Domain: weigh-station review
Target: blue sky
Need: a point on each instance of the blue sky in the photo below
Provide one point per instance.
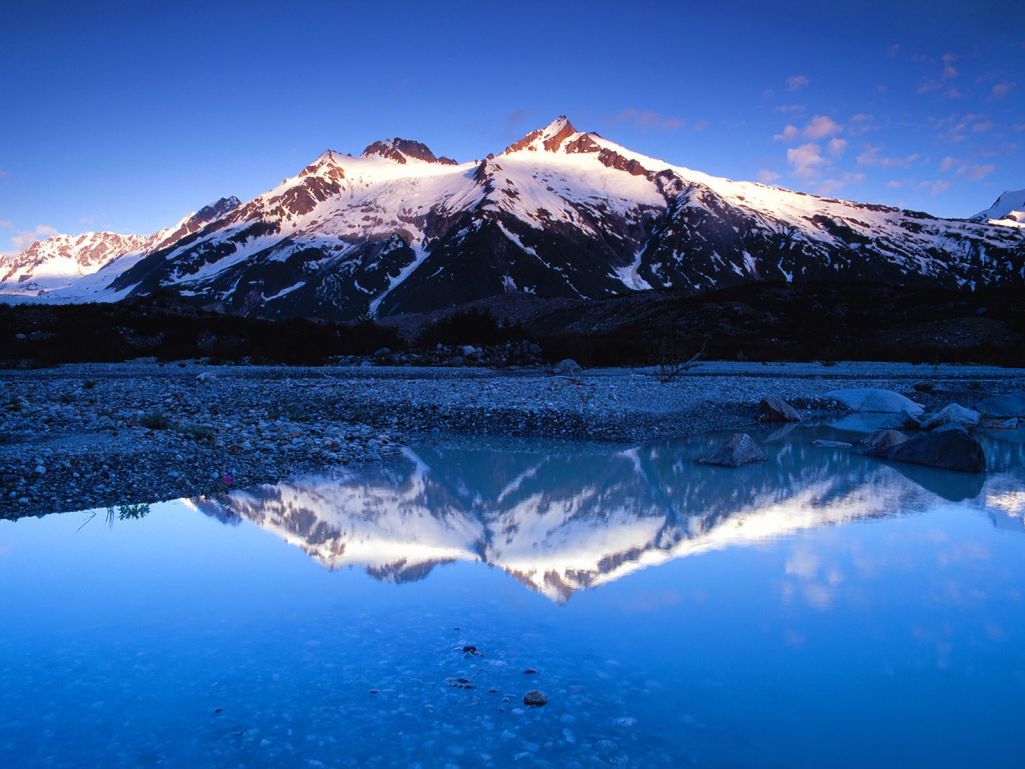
(127, 116)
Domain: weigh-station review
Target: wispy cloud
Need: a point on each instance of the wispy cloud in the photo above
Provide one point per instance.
(1000, 90)
(25, 238)
(873, 156)
(943, 82)
(6, 224)
(967, 169)
(797, 82)
(934, 186)
(788, 134)
(835, 183)
(861, 123)
(821, 126)
(647, 119)
(976, 172)
(958, 128)
(767, 176)
(806, 160)
(818, 128)
(837, 146)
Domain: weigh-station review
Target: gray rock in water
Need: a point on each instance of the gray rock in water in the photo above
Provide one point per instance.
(824, 444)
(566, 367)
(951, 414)
(999, 424)
(777, 410)
(875, 399)
(1004, 406)
(535, 699)
(881, 440)
(948, 448)
(738, 450)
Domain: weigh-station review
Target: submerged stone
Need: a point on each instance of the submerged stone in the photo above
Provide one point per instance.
(777, 410)
(535, 699)
(948, 448)
(738, 450)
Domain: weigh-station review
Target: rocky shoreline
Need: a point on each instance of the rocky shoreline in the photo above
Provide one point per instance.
(102, 435)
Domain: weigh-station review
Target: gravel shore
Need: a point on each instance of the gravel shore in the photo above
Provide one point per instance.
(102, 435)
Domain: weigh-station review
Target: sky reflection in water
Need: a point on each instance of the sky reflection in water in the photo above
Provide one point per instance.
(819, 609)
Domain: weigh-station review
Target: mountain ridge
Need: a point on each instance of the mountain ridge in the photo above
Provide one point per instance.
(560, 213)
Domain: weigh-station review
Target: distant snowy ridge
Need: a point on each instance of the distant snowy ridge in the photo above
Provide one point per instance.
(1007, 210)
(62, 261)
(559, 213)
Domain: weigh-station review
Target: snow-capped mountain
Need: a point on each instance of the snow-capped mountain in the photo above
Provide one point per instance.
(58, 260)
(63, 261)
(1008, 210)
(559, 213)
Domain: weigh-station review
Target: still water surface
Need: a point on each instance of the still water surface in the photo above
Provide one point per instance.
(819, 609)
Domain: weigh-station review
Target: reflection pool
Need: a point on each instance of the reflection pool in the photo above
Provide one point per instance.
(817, 609)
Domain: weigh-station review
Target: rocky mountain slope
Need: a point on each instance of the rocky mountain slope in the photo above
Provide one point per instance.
(558, 214)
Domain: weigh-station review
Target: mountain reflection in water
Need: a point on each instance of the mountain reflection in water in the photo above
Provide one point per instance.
(564, 517)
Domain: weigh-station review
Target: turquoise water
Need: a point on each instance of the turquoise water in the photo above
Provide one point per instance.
(820, 609)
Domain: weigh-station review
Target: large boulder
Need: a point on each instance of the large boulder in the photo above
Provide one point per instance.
(567, 367)
(777, 410)
(738, 450)
(876, 400)
(948, 448)
(951, 414)
(881, 440)
(1004, 406)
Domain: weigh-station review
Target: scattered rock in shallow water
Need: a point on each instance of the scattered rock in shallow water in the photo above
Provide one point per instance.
(951, 414)
(824, 444)
(535, 699)
(738, 450)
(530, 672)
(877, 400)
(460, 683)
(881, 440)
(1004, 406)
(947, 448)
(999, 424)
(471, 650)
(777, 410)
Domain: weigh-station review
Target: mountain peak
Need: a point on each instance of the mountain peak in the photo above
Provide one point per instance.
(402, 150)
(547, 139)
(1009, 208)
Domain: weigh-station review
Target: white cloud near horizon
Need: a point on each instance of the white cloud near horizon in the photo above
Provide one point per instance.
(25, 238)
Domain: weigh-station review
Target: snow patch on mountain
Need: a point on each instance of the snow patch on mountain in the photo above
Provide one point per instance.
(1007, 210)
